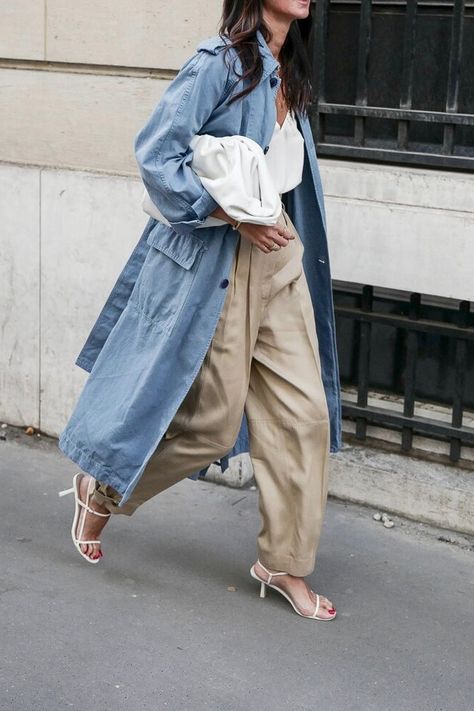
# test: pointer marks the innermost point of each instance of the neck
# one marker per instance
(278, 26)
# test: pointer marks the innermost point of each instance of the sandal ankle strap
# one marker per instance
(65, 492)
(89, 510)
(271, 575)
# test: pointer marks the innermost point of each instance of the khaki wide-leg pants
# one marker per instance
(264, 358)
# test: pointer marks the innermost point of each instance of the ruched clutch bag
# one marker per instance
(234, 171)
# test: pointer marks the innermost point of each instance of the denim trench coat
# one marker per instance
(150, 339)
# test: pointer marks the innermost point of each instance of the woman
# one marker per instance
(209, 326)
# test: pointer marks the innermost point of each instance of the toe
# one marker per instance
(326, 612)
(323, 601)
(89, 551)
(326, 608)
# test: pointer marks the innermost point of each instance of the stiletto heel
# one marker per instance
(268, 583)
(65, 492)
(78, 505)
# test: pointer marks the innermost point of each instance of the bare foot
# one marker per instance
(93, 525)
(300, 592)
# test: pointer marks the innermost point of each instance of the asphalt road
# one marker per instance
(154, 626)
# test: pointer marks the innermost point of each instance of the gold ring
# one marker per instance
(275, 247)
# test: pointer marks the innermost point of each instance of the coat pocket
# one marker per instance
(182, 249)
(167, 275)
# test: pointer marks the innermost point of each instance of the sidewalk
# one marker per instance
(154, 626)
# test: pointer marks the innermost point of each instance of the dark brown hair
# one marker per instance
(240, 21)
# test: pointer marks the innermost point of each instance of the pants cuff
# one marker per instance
(109, 498)
(300, 567)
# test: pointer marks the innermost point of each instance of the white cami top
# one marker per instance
(285, 155)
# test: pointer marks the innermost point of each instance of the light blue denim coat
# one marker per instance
(153, 332)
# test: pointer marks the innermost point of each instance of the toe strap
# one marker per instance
(317, 606)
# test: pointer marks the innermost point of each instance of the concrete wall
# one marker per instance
(142, 33)
(401, 228)
(77, 81)
(65, 237)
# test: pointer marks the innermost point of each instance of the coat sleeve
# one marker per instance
(162, 146)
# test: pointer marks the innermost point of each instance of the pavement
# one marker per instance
(154, 625)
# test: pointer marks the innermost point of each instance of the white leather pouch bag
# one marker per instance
(234, 171)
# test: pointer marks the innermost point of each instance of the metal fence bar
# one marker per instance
(406, 89)
(423, 425)
(392, 156)
(365, 27)
(393, 113)
(457, 31)
(410, 372)
(459, 383)
(319, 67)
(364, 361)
(421, 325)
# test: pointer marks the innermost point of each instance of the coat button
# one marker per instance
(265, 150)
(273, 81)
(224, 283)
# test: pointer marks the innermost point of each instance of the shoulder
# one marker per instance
(212, 49)
(208, 55)
(213, 45)
(211, 64)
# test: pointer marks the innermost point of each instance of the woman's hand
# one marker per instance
(265, 237)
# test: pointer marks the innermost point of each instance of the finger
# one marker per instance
(273, 245)
(285, 232)
(264, 247)
(280, 240)
(281, 237)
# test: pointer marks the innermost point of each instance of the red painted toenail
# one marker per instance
(332, 611)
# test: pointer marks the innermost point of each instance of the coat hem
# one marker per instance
(84, 363)
(89, 463)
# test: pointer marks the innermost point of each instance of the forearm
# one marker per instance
(222, 215)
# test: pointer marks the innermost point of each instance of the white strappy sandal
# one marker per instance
(79, 504)
(268, 583)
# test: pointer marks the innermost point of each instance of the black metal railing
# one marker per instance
(399, 348)
(393, 81)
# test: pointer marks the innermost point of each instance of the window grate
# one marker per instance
(406, 348)
(393, 81)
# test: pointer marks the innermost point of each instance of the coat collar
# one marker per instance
(270, 64)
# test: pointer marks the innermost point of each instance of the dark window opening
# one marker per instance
(393, 81)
